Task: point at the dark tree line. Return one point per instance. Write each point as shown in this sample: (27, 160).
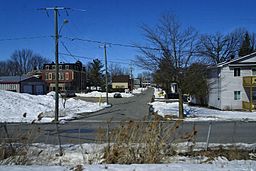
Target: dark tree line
(21, 62)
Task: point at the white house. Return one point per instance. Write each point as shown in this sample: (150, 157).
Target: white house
(232, 85)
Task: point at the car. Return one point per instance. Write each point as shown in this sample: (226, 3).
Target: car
(68, 93)
(117, 95)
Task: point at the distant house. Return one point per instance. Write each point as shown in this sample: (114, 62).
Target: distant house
(232, 85)
(23, 84)
(137, 83)
(72, 76)
(121, 82)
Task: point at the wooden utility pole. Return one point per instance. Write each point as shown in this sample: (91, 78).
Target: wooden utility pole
(106, 68)
(56, 12)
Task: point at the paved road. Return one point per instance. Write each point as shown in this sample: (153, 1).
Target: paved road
(80, 132)
(133, 108)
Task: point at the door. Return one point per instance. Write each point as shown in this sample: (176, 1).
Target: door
(39, 90)
(28, 89)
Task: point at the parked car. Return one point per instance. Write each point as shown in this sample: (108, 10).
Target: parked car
(68, 93)
(117, 95)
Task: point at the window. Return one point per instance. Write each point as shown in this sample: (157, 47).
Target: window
(60, 67)
(237, 72)
(53, 66)
(46, 76)
(61, 75)
(66, 76)
(237, 95)
(47, 67)
(53, 76)
(50, 76)
(253, 71)
(66, 66)
(254, 95)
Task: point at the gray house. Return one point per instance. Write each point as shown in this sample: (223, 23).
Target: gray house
(232, 85)
(23, 84)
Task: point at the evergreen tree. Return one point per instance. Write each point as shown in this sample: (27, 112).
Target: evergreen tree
(246, 47)
(96, 75)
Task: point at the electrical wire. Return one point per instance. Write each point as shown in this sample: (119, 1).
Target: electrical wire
(111, 44)
(24, 38)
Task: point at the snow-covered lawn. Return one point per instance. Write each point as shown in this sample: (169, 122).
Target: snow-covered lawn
(199, 113)
(41, 157)
(21, 107)
(103, 94)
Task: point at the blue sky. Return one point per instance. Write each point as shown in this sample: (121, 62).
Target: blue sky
(116, 21)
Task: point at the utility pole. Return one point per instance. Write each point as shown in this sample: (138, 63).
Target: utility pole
(56, 13)
(106, 68)
(132, 82)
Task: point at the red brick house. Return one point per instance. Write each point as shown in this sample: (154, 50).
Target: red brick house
(72, 76)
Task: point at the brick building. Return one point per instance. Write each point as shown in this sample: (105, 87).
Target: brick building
(72, 76)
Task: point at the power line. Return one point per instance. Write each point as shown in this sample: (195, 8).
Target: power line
(23, 38)
(62, 43)
(112, 44)
(84, 57)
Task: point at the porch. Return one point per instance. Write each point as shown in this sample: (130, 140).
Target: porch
(249, 84)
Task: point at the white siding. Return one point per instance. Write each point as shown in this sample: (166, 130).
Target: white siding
(214, 84)
(229, 84)
(119, 85)
(10, 87)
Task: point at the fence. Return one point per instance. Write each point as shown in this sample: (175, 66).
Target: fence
(101, 132)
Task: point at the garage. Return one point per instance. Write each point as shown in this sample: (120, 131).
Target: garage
(23, 84)
(28, 89)
(39, 90)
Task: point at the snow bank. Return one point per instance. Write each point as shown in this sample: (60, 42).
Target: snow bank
(159, 93)
(201, 113)
(21, 107)
(102, 94)
(138, 90)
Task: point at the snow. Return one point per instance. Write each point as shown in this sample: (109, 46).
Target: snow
(159, 93)
(103, 94)
(43, 157)
(217, 166)
(138, 90)
(21, 107)
(200, 113)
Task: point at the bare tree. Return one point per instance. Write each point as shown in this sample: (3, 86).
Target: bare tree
(220, 48)
(21, 62)
(115, 69)
(172, 50)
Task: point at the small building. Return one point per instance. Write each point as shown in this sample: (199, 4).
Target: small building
(72, 76)
(121, 82)
(137, 83)
(23, 84)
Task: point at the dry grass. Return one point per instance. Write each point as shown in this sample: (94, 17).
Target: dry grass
(141, 142)
(229, 154)
(14, 149)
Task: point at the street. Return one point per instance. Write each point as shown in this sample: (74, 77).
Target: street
(86, 127)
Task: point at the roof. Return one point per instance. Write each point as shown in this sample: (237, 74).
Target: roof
(13, 79)
(236, 60)
(121, 78)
